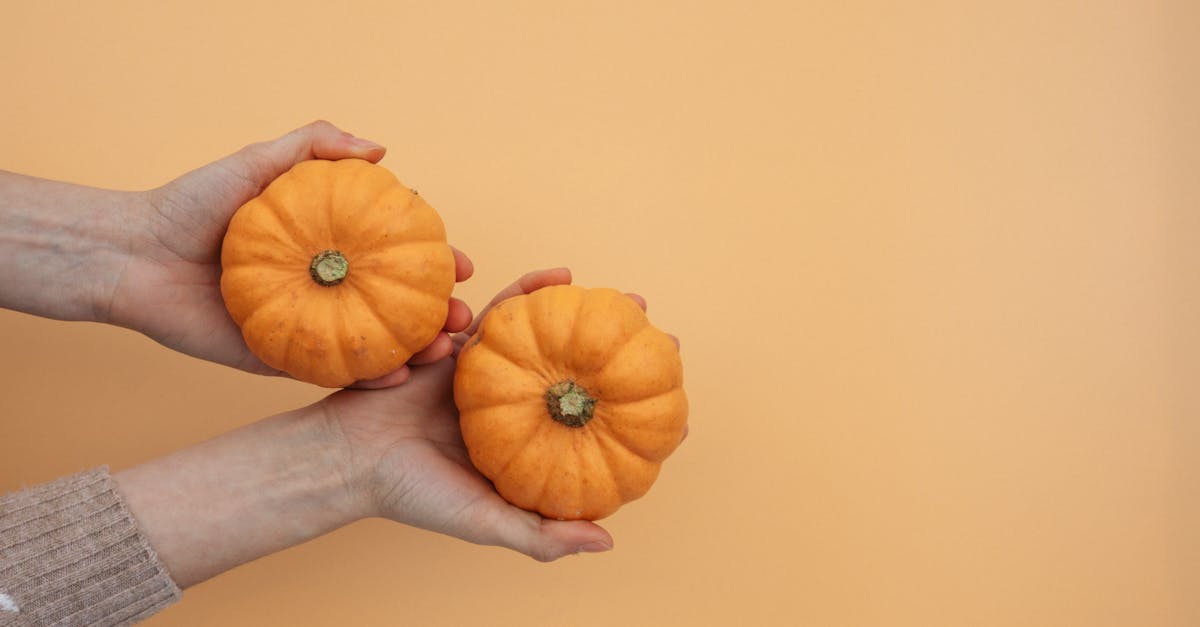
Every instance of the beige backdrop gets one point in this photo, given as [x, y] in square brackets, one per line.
[934, 268]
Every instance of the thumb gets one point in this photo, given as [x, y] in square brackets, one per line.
[547, 540]
[263, 162]
[205, 198]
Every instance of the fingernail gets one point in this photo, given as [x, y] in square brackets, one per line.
[593, 547]
[365, 145]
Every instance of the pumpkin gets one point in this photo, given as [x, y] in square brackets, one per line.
[337, 272]
[570, 400]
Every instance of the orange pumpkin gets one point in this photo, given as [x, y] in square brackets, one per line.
[337, 272]
[570, 400]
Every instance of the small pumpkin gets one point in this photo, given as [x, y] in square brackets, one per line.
[570, 400]
[337, 272]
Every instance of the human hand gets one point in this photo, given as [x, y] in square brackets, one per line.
[396, 453]
[406, 446]
[169, 287]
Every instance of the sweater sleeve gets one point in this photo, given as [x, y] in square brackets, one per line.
[71, 553]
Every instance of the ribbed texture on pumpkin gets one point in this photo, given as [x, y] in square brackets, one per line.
[601, 340]
[393, 300]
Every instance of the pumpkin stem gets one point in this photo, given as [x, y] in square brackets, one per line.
[569, 403]
[329, 267]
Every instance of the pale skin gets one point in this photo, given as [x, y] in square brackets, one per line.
[390, 447]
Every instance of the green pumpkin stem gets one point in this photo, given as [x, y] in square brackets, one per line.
[569, 404]
[328, 268]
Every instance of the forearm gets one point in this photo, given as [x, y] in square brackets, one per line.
[61, 246]
[243, 495]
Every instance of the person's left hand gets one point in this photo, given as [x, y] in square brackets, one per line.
[396, 453]
[406, 448]
[170, 287]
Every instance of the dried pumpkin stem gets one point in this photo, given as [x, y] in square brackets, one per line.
[569, 403]
[329, 267]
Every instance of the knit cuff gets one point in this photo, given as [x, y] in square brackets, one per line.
[72, 554]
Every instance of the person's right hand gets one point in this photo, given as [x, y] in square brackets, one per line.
[169, 285]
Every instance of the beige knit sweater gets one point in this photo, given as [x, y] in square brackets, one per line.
[72, 554]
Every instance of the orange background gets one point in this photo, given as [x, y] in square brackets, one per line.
[934, 267]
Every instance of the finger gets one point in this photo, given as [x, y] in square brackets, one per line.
[459, 340]
[391, 379]
[438, 349]
[263, 162]
[243, 358]
[530, 282]
[536, 280]
[458, 317]
[637, 298]
[463, 268]
[547, 540]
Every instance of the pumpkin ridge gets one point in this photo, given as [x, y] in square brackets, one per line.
[533, 332]
[366, 257]
[533, 437]
[620, 441]
[607, 452]
[385, 277]
[607, 421]
[353, 315]
[238, 303]
[366, 254]
[265, 208]
[610, 477]
[369, 289]
[369, 304]
[270, 300]
[548, 472]
[321, 217]
[569, 346]
[574, 494]
[573, 343]
[493, 418]
[374, 248]
[520, 401]
[335, 360]
[277, 233]
[343, 226]
[500, 327]
[575, 321]
[285, 337]
[537, 367]
[566, 316]
[495, 351]
[600, 374]
[631, 401]
[287, 220]
[286, 334]
[612, 355]
[545, 476]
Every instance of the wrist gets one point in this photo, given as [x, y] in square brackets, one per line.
[243, 495]
[341, 481]
[64, 244]
[305, 463]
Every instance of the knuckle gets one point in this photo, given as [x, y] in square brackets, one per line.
[543, 554]
[321, 126]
